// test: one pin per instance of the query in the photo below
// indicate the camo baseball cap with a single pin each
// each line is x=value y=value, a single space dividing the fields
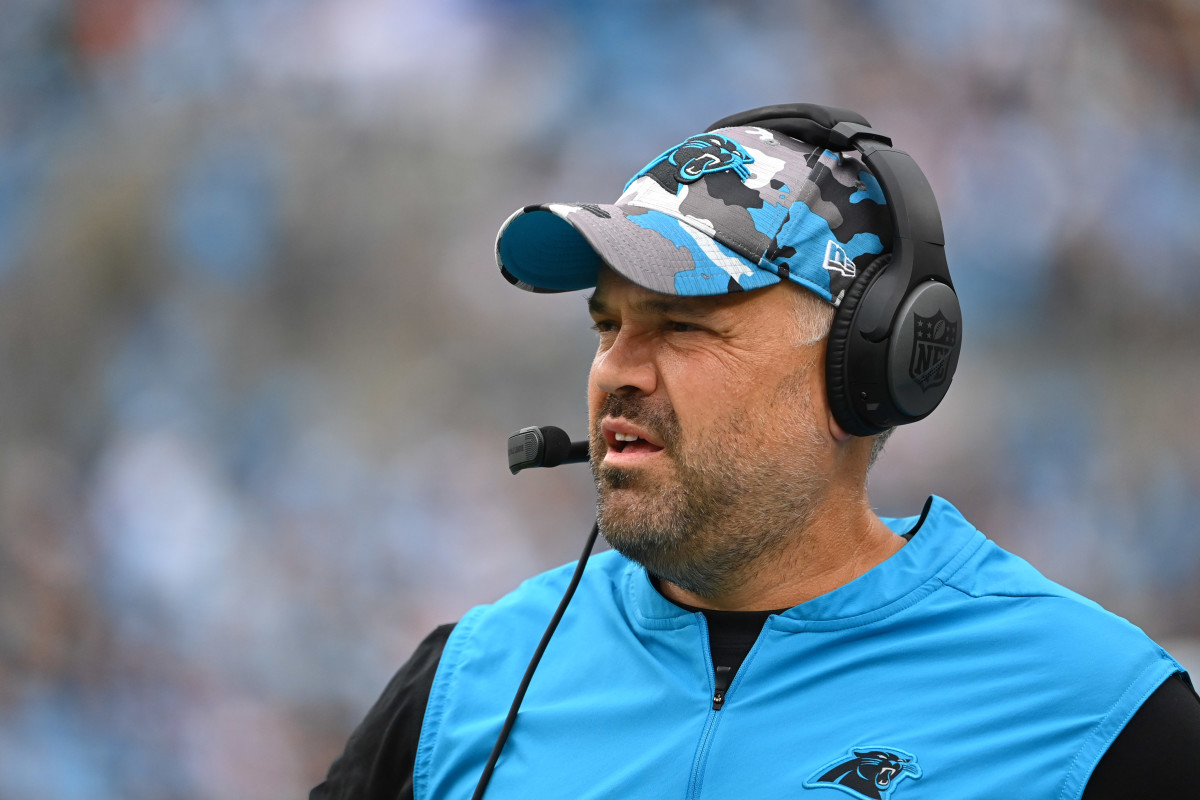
x=728 y=210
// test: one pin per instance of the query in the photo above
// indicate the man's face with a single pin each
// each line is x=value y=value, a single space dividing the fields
x=710 y=439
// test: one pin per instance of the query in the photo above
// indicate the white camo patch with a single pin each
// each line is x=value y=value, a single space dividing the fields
x=762 y=133
x=562 y=209
x=646 y=193
x=762 y=169
x=734 y=266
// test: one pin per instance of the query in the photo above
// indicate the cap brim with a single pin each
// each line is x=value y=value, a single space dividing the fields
x=561 y=247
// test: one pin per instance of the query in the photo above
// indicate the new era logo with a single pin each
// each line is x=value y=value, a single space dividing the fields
x=836 y=259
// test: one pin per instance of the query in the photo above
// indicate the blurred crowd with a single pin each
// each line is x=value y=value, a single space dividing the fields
x=257 y=366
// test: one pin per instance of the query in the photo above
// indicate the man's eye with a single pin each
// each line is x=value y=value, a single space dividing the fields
x=604 y=326
x=681 y=327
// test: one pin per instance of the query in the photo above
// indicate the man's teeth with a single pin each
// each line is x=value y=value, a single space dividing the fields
x=625 y=437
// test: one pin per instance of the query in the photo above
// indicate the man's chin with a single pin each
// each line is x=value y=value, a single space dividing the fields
x=615 y=478
x=624 y=505
x=652 y=474
x=625 y=499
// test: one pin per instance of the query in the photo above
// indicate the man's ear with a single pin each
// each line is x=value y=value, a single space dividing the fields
x=836 y=431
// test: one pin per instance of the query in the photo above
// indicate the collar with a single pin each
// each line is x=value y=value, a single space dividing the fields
x=940 y=540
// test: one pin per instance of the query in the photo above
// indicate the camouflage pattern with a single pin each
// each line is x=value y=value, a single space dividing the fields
x=725 y=211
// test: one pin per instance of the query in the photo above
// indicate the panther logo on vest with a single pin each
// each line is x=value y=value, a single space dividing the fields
x=870 y=773
x=933 y=342
x=700 y=155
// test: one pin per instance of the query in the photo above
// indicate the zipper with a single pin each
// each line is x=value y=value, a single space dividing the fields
x=722 y=679
x=721 y=682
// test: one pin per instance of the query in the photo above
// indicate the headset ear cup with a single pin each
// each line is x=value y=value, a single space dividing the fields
x=837 y=377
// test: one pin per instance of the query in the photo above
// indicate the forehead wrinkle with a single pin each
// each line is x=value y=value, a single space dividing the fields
x=655 y=304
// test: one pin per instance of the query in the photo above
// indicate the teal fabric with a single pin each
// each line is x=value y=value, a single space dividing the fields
x=994 y=680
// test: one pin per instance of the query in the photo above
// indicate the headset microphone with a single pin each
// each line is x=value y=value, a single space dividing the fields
x=543 y=447
x=539 y=447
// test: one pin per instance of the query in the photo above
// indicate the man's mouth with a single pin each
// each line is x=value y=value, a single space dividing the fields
x=626 y=442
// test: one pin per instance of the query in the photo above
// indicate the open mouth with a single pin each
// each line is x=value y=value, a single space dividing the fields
x=625 y=438
x=629 y=443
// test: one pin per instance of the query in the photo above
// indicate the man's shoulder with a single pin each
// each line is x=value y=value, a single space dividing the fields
x=1034 y=613
x=1002 y=591
x=538 y=595
x=494 y=642
x=988 y=570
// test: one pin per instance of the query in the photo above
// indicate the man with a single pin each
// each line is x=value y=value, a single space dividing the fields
x=757 y=631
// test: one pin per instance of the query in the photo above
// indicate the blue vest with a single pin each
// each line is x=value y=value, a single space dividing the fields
x=951 y=670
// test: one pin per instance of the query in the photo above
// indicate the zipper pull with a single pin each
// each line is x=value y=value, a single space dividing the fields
x=724 y=676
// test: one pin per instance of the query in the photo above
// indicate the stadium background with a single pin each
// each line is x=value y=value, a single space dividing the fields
x=257 y=367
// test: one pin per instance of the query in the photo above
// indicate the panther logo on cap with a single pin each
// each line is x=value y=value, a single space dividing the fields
x=702 y=155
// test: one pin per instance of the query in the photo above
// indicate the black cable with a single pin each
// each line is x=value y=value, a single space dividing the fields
x=481 y=787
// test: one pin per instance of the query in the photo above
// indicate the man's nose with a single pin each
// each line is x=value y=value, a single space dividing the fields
x=626 y=367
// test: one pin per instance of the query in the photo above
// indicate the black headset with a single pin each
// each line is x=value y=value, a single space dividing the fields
x=896 y=335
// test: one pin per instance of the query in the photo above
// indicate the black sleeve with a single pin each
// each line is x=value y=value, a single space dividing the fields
x=379 y=757
x=1155 y=755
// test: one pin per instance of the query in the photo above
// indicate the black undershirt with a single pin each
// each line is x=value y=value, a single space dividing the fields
x=731 y=634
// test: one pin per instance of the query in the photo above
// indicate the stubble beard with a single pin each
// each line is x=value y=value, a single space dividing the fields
x=728 y=503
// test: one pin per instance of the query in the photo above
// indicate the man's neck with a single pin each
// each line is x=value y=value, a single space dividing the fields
x=828 y=553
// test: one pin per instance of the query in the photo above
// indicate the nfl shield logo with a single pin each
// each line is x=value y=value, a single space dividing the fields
x=933 y=341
